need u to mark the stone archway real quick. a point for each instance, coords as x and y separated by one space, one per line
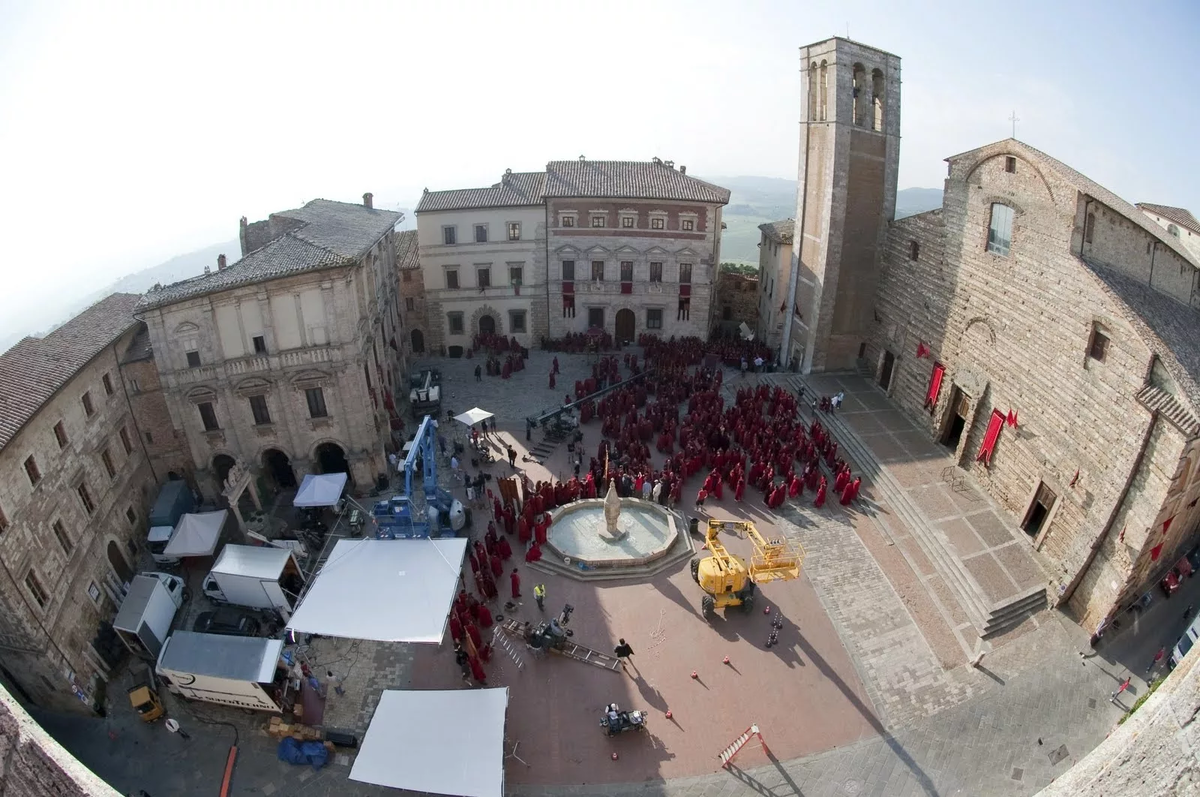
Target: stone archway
221 465
119 564
626 325
487 325
492 323
418 341
331 458
277 467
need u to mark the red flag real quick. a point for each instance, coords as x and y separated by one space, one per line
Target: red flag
1121 536
1012 418
1155 552
922 350
1167 523
1075 478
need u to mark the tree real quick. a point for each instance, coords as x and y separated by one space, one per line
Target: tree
743 269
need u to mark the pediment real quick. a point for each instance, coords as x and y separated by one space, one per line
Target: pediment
199 395
311 377
566 250
253 386
627 250
657 250
686 252
187 328
598 250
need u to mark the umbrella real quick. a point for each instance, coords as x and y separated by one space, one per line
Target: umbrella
473 416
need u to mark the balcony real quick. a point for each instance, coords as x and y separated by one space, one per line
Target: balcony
248 365
289 359
191 376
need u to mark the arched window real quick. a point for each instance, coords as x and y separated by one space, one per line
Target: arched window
1000 229
877 99
812 92
859 108
1172 230
824 91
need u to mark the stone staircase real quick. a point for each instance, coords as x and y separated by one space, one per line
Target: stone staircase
987 618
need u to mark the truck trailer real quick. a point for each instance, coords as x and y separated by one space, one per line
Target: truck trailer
174 500
145 618
232 670
257 577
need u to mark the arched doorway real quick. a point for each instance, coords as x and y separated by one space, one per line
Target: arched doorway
119 565
487 325
222 464
418 341
278 468
331 458
626 324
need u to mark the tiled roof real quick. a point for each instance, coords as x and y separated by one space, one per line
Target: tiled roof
1180 216
406 249
515 189
32 371
139 348
628 180
331 234
780 232
1171 328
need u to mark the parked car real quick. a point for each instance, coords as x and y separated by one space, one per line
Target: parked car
226 621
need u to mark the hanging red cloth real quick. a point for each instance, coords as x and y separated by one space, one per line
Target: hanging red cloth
990 437
935 385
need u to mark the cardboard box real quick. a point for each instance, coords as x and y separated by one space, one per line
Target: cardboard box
275 721
298 710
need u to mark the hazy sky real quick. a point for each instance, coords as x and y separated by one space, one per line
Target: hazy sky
131 132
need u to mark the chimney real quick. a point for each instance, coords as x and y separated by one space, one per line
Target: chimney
220 262
368 200
683 170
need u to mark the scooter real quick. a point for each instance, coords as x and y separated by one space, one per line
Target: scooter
614 721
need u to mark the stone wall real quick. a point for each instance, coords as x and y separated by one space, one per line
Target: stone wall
774 272
163 442
735 302
35 765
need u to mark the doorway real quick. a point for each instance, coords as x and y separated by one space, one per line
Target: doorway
885 373
331 458
1039 511
960 407
454 352
487 325
279 469
222 464
626 324
596 317
418 341
119 565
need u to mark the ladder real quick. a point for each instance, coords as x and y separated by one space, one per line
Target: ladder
503 641
732 750
589 656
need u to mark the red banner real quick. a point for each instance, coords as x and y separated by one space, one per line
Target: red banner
922 349
935 385
995 424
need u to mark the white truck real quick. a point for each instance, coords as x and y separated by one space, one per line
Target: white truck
257 577
232 670
144 620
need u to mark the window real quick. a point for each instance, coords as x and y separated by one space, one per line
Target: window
131 516
1010 164
568 270
260 344
1039 510
133 385
483 277
35 589
1098 347
654 318
60 434
597 271
94 592
106 380
685 273
657 223
914 250
598 221
596 317
60 534
514 231
85 498
685 309
193 359
149 438
515 274
258 408
480 233
569 306
455 323
86 400
449 236
1172 230
626 271
1000 230
316 402
1089 227
627 222
656 272
208 416
3 521
126 443
727 312
106 458
452 278
31 470
516 320
687 225
406 275
566 221
410 303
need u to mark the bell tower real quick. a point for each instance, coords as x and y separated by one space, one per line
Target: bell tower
845 198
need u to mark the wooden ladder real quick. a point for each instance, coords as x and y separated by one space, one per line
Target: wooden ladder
503 640
589 656
732 750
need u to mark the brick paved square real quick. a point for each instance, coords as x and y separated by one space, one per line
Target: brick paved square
961 536
991 527
933 501
1019 562
987 572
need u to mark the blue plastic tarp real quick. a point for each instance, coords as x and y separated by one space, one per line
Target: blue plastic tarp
297 752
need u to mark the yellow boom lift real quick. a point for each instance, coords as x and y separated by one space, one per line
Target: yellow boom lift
728 581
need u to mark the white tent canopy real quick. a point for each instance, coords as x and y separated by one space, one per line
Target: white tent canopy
197 534
473 416
383 590
420 740
320 489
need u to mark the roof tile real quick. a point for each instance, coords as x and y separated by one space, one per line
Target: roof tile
1180 216
628 180
515 189
781 232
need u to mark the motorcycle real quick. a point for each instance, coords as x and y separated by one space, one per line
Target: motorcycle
614 721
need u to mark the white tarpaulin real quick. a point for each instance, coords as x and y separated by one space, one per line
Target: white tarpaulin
320 489
473 416
197 534
442 742
384 590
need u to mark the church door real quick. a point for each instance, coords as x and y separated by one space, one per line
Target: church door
625 325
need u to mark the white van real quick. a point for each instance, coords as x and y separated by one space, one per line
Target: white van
1185 642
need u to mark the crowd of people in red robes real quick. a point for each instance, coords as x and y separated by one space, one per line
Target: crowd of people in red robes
579 342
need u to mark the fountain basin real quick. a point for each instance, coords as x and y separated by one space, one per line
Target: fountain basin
578 532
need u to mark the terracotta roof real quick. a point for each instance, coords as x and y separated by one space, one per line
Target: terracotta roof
1180 216
329 234
406 249
781 232
519 189
628 180
139 348
32 371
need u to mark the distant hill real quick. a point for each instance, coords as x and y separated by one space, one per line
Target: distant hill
757 200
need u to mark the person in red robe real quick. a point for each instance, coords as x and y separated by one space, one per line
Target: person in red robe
473 607
717 488
840 481
485 652
820 500
554 367
480 553
701 495
479 580
460 601
489 587
523 532
534 553
503 548
795 486
854 487
477 669
485 616
474 562
497 568
539 531
473 633
589 487
456 629
515 580
552 380
739 490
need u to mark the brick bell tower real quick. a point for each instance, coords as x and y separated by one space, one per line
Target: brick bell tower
845 198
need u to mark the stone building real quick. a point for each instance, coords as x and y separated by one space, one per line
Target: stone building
413 312
287 360
774 276
75 481
735 302
164 442
1177 222
625 246
1048 334
849 156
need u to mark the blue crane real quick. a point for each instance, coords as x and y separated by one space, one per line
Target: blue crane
399 517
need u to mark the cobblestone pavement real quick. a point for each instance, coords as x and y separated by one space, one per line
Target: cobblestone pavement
1007 728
